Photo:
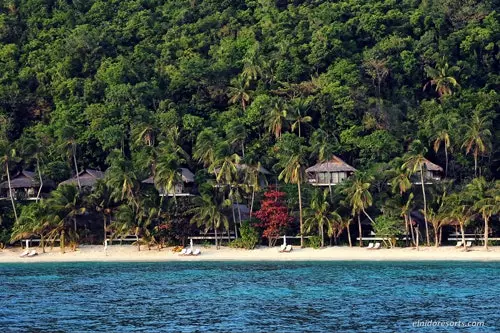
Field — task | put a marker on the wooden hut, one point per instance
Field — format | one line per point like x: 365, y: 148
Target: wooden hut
x: 330, y: 172
x: 87, y: 177
x: 432, y: 173
x: 25, y: 186
x: 183, y: 188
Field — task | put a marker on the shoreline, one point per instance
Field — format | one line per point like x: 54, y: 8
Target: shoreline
x: 129, y: 253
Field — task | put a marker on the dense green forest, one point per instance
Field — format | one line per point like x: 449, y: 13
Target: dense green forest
x: 143, y: 87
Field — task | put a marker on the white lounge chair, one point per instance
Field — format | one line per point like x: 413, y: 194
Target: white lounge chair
x: 282, y: 248
x: 183, y: 251
x: 370, y: 246
x: 459, y: 244
x: 188, y: 252
x: 377, y: 246
x: 32, y: 253
x: 468, y: 244
x: 25, y: 253
x: 196, y: 252
x: 288, y: 248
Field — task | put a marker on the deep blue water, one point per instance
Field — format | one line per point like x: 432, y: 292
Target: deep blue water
x: 248, y: 297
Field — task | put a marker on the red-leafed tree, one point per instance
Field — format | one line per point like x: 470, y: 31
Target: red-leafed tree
x: 273, y: 215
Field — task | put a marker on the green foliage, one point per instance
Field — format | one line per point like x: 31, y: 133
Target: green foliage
x: 314, y: 242
x: 249, y: 237
x: 389, y: 227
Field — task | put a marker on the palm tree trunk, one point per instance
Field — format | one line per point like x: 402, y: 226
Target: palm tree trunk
x: 446, y: 162
x: 300, y: 216
x: 216, y: 239
x: 475, y: 164
x: 462, y: 231
x: 440, y: 236
x: 322, y: 234
x: 10, y: 191
x: 368, y: 216
x: 360, y: 231
x: 234, y: 219
x: 436, y: 236
x: 417, y: 232
x: 486, y: 228
x: 74, y: 223
x: 61, y: 241
x: 243, y: 149
x: 137, y: 242
x: 349, y: 235
x: 406, y: 230
x: 76, y: 167
x: 104, y: 228
x: 253, y: 198
x: 425, y: 205
x: 40, y: 178
x: 42, y: 243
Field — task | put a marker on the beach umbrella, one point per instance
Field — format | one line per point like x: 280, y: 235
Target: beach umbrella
x: 284, y: 240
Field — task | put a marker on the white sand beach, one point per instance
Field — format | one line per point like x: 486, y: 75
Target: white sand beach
x: 130, y: 253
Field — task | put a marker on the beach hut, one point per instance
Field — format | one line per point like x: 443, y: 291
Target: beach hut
x: 432, y: 173
x: 331, y: 172
x: 25, y: 186
x: 87, y: 178
x: 182, y: 188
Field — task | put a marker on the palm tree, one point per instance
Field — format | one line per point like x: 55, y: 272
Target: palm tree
x: 32, y: 150
x: 338, y: 225
x: 205, y: 148
x: 238, y: 92
x: 70, y: 145
x: 359, y: 198
x: 102, y: 201
x: 486, y: 201
x: 7, y: 154
x: 457, y: 208
x: 34, y: 220
x: 122, y: 181
x: 298, y: 114
x: 317, y: 215
x: 476, y: 139
x: 444, y: 125
x: 208, y: 213
x: 253, y: 180
x: 276, y: 119
x: 66, y: 203
x: 441, y: 77
x: 415, y: 162
x: 293, y: 172
x: 237, y: 134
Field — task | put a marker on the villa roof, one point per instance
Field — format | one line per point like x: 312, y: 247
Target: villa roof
x: 335, y: 164
x: 26, y: 179
x: 187, y: 177
x: 432, y: 167
x: 88, y: 177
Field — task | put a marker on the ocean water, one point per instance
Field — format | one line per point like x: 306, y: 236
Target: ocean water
x: 250, y: 297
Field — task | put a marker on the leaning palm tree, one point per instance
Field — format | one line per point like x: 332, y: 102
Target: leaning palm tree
x: 457, y: 208
x: 32, y: 150
x: 205, y: 148
x: 7, y: 154
x: 209, y: 213
x: 33, y: 220
x: 69, y: 144
x: 66, y: 204
x: 477, y: 136
x: 415, y: 163
x: 122, y: 180
x: 442, y: 137
x: 293, y: 172
x: 359, y: 198
x: 102, y: 201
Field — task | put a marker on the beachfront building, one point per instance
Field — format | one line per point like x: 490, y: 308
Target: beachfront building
x: 25, y: 185
x: 86, y: 177
x: 432, y: 173
x: 331, y: 172
x: 183, y: 188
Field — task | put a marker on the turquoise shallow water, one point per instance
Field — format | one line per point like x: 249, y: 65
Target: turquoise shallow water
x: 248, y: 296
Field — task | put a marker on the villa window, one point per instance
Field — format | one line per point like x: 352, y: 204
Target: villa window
x: 323, y: 178
x: 342, y: 176
x: 335, y: 177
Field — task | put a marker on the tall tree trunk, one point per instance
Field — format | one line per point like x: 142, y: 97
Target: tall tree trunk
x: 62, y: 241
x: 475, y: 165
x: 300, y: 216
x: 104, y: 228
x: 42, y: 243
x: 425, y: 204
x: 406, y: 230
x: 216, y: 239
x: 253, y: 198
x: 412, y: 232
x: 486, y: 234
x: 322, y: 235
x: 243, y: 148
x: 74, y: 223
x: 462, y: 231
x: 234, y: 219
x: 40, y: 178
x: 440, y: 236
x: 436, y: 236
x: 417, y: 237
x: 360, y: 231
x: 10, y: 191
x: 349, y: 234
x: 76, y: 167
x: 446, y: 162
x: 368, y: 216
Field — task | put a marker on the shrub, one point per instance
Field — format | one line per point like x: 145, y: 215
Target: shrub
x: 249, y: 237
x: 314, y: 242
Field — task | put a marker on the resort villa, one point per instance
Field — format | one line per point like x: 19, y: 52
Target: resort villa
x: 25, y: 185
x: 183, y: 188
x: 331, y: 172
x: 432, y: 173
x: 86, y: 177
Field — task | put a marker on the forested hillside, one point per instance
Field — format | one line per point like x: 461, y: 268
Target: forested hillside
x: 145, y: 84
